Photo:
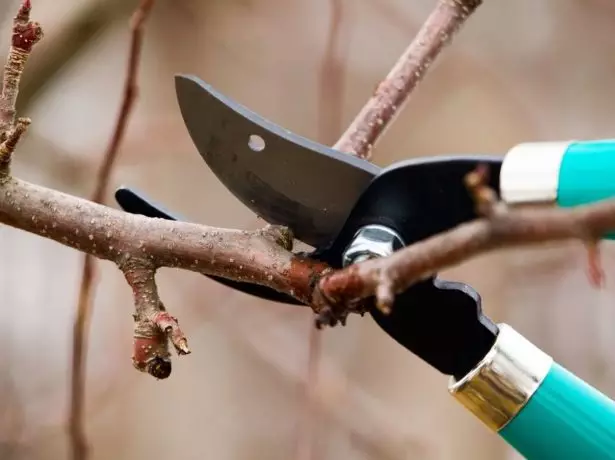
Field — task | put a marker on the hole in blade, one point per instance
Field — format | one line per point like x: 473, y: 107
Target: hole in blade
x: 256, y: 143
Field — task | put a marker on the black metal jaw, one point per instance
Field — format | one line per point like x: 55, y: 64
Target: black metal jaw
x: 439, y: 321
x: 443, y: 324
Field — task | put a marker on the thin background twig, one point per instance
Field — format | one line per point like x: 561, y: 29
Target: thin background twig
x: 392, y: 93
x: 79, y: 446
x: 330, y: 119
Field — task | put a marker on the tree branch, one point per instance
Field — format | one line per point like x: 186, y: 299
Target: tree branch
x: 502, y: 229
x: 153, y: 325
x: 392, y: 93
x: 25, y: 35
x: 262, y: 256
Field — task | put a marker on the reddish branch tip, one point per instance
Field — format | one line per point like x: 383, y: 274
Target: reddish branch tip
x: 170, y: 326
x: 23, y: 15
x: 150, y: 355
x: 25, y: 36
x: 150, y: 346
x: 25, y: 32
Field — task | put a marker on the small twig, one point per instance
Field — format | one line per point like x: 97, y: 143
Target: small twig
x: 488, y: 204
x: 392, y: 93
x: 130, y: 93
x: 486, y: 200
x: 25, y: 35
x: 332, y: 74
x: 154, y: 326
x: 310, y: 411
x: 85, y: 303
x: 7, y: 148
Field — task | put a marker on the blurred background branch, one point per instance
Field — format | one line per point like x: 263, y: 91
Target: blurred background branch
x: 85, y: 25
x: 83, y: 311
x: 329, y: 127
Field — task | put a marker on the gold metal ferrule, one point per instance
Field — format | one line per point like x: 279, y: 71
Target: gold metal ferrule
x: 504, y: 381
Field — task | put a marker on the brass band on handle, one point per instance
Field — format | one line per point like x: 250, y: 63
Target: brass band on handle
x: 504, y: 381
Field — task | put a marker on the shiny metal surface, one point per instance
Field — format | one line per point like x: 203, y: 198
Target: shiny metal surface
x: 372, y: 241
x: 504, y: 381
x: 284, y: 178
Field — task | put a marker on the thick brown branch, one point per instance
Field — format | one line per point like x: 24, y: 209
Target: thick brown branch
x: 389, y: 276
x: 260, y: 257
x: 393, y: 91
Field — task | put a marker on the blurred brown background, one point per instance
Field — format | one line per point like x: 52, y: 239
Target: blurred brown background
x: 523, y: 70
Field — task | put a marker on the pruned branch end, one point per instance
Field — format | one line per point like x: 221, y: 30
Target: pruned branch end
x: 154, y: 327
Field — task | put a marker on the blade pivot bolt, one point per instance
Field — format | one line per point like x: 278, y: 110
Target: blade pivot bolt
x: 370, y: 242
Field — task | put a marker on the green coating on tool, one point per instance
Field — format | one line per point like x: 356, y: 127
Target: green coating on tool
x: 566, y: 419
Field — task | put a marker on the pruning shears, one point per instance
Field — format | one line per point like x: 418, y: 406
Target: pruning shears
x: 350, y: 210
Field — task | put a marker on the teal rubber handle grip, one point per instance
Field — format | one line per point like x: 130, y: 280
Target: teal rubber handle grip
x: 566, y: 174
x: 566, y: 419
x: 587, y: 173
x: 539, y: 408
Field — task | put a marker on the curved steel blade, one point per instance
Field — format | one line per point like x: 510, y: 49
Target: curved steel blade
x: 284, y: 178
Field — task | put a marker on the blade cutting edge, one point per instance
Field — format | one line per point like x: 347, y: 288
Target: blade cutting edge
x: 282, y: 177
